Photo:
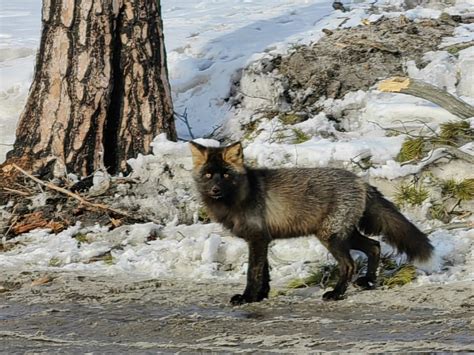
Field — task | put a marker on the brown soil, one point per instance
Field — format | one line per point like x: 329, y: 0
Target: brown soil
x: 355, y: 59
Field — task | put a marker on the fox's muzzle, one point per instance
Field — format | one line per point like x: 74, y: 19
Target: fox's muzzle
x: 215, y: 192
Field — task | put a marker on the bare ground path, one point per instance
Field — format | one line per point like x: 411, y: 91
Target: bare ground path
x: 75, y: 313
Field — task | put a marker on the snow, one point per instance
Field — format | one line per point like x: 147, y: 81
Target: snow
x: 206, y: 251
x: 447, y: 250
x: 466, y: 74
x: 208, y: 43
x: 322, y: 152
x: 203, y: 252
x: 19, y: 37
x: 463, y: 33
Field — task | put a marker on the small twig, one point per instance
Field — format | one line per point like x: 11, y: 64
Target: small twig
x: 254, y: 97
x: 418, y: 121
x: 405, y: 132
x: 124, y: 180
x: 358, y: 163
x: 215, y: 129
x: 13, y: 220
x: 28, y: 189
x: 457, y: 204
x: 184, y: 118
x: 181, y: 234
x: 79, y: 198
x: 22, y: 193
x: 432, y: 142
x: 432, y: 158
x: 426, y: 159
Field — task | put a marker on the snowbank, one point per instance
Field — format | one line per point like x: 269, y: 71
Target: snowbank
x: 208, y: 43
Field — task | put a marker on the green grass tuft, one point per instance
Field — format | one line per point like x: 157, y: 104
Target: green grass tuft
x: 81, y: 238
x: 412, y: 149
x: 454, y: 51
x: 391, y: 274
x: 55, y: 262
x: 403, y: 275
x: 276, y: 293
x: 456, y: 131
x: 461, y: 190
x: 203, y: 217
x: 456, y: 48
x: 300, y: 136
x: 410, y: 194
x: 280, y: 137
x: 325, y: 276
x: 387, y: 264
x: 249, y: 129
x: 289, y: 118
x: 108, y: 259
x: 440, y: 212
x: 311, y: 280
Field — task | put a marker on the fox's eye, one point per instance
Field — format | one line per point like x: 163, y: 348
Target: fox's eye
x: 208, y: 175
x: 226, y: 176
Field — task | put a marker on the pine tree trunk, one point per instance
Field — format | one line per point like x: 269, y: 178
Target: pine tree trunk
x: 100, y: 91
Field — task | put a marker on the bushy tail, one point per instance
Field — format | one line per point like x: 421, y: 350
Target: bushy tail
x: 381, y: 217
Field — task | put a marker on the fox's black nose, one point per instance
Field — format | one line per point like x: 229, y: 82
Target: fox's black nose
x: 215, y: 190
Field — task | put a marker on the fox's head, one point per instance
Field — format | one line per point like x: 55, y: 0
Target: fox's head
x: 218, y: 172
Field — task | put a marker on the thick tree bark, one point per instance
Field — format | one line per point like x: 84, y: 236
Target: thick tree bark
x: 100, y: 91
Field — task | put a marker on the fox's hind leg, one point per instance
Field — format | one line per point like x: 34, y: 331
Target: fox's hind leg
x: 339, y: 247
x: 371, y: 248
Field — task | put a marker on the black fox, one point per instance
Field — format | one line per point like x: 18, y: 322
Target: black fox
x: 335, y: 205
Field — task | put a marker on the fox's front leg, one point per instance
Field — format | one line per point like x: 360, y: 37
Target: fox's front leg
x: 258, y: 274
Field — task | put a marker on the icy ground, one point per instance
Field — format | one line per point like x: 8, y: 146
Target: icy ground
x: 207, y: 43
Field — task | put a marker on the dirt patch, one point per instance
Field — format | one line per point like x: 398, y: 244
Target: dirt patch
x: 356, y: 58
x: 31, y: 207
x: 77, y: 313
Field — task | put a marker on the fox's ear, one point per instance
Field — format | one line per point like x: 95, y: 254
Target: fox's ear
x: 199, y: 153
x: 234, y: 155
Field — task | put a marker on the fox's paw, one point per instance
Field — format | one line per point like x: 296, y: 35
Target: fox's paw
x: 365, y: 283
x: 333, y: 296
x: 238, y: 299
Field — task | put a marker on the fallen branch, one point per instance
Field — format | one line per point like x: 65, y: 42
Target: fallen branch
x: 82, y: 201
x: 442, y: 98
x: 451, y: 226
x: 440, y: 152
x: 455, y: 152
x: 457, y: 46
